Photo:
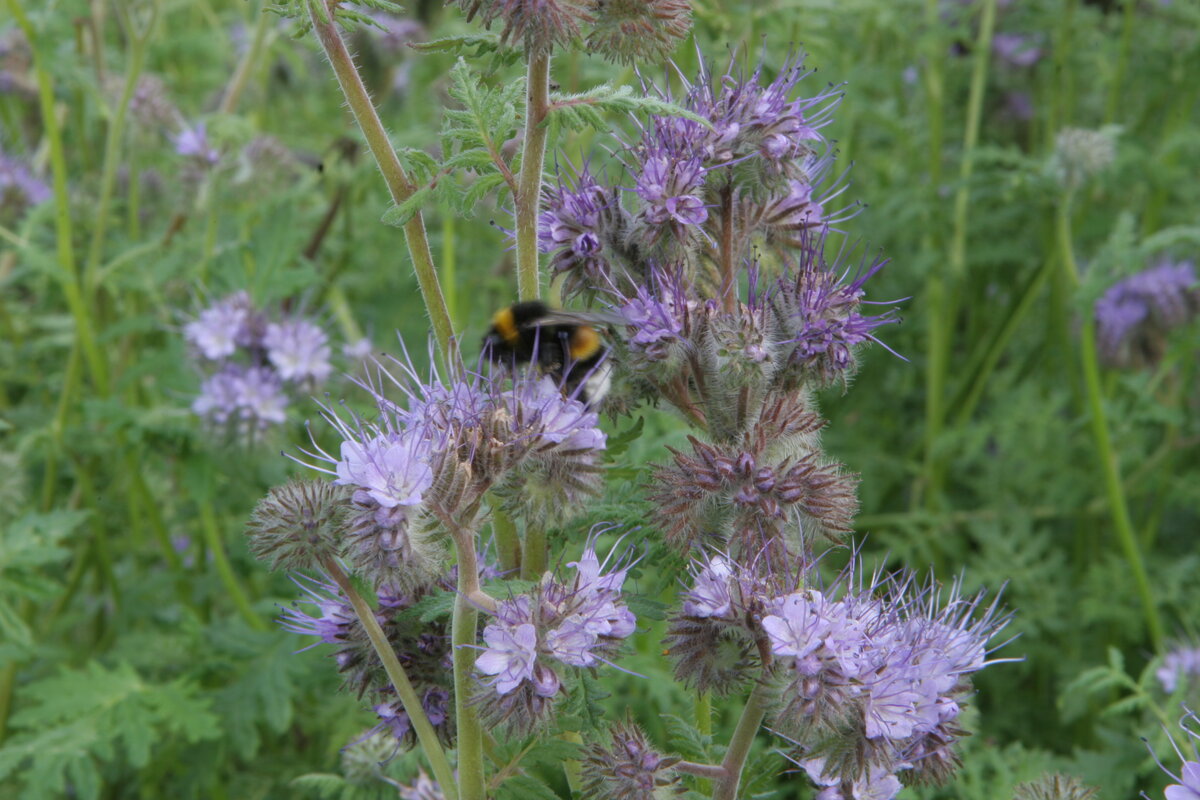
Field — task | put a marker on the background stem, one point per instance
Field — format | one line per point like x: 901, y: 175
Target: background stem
x: 399, y: 185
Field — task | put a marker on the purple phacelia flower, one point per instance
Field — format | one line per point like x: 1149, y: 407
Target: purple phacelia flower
x: 423, y: 788
x: 877, y: 784
x: 657, y: 318
x: 556, y: 423
x: 575, y: 222
x: 192, y: 142
x: 710, y: 594
x: 670, y: 191
x: 392, y: 468
x: 1135, y: 316
x: 223, y: 327
x: 820, y: 314
x: 579, y: 623
x: 357, y: 351
x: 510, y: 655
x: 251, y: 398
x: 883, y: 665
x: 299, y: 350
x: 1187, y: 783
x: 1182, y: 662
x: 1016, y: 49
x: 19, y: 189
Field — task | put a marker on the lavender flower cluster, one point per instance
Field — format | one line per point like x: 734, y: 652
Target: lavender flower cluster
x: 256, y: 361
x: 425, y: 466
x: 423, y: 649
x: 710, y: 203
x: 1136, y: 315
x: 870, y: 678
x: 577, y: 623
x: 19, y: 188
x: 1182, y: 663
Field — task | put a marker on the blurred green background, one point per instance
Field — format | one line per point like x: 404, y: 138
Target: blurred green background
x: 138, y: 657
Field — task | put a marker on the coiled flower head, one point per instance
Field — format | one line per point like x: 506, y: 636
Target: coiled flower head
x: 298, y: 525
x: 1136, y: 315
x: 639, y: 30
x: 626, y: 767
x: 538, y: 25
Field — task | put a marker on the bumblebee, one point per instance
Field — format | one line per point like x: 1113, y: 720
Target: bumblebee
x: 566, y: 345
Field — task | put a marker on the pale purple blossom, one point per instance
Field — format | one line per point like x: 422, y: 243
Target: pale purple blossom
x: 1136, y: 314
x: 579, y: 623
x: 670, y: 190
x: 555, y: 423
x: 392, y: 468
x: 1187, y: 782
x: 192, y: 142
x: 299, y: 350
x: 252, y: 396
x: 223, y: 327
x: 1181, y: 663
x: 19, y: 188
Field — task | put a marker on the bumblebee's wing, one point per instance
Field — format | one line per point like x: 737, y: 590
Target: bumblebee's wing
x: 562, y: 317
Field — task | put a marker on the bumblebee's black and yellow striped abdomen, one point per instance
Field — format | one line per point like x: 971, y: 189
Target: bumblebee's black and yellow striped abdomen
x: 564, y: 344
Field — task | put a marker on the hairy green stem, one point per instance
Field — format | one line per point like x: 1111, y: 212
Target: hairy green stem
x: 533, y: 554
x: 69, y: 277
x: 739, y: 745
x: 529, y: 191
x: 1113, y: 488
x: 399, y: 185
x: 465, y: 623
x: 212, y: 537
x: 508, y: 543
x: 241, y: 74
x: 426, y: 736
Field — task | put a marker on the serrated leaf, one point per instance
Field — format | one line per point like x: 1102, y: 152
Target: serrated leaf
x: 524, y: 787
x: 587, y: 109
x: 400, y: 215
x: 686, y: 739
x: 618, y: 443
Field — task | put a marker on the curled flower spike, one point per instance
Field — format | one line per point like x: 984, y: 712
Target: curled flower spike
x: 423, y: 649
x: 1136, y: 315
x: 298, y: 525
x: 626, y: 767
x: 539, y: 25
x: 639, y: 30
x: 433, y: 452
x: 879, y: 674
x: 1054, y: 787
x: 821, y: 315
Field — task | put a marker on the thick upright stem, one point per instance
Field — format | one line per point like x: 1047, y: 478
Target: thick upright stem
x: 739, y: 745
x: 399, y: 185
x: 426, y: 736
x: 529, y: 187
x: 1113, y: 488
x: 463, y: 637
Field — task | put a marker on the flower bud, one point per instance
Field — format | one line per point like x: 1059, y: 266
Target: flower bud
x: 298, y: 525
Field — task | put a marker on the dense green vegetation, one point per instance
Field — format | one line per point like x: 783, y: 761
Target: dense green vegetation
x: 139, y: 656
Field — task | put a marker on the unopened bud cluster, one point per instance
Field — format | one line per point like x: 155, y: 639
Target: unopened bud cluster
x: 621, y: 30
